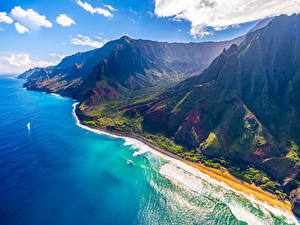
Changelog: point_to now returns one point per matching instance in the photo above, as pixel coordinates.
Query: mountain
(124, 65)
(244, 108)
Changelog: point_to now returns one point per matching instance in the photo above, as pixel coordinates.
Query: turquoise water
(55, 172)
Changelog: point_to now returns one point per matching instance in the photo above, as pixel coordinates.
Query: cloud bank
(221, 14)
(101, 11)
(64, 20)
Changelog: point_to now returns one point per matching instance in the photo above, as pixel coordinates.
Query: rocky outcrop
(193, 130)
(295, 200)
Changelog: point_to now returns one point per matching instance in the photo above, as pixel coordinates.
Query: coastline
(249, 190)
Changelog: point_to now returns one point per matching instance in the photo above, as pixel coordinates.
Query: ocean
(54, 172)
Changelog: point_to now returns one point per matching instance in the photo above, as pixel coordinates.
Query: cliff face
(123, 65)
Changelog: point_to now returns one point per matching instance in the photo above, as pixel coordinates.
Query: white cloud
(86, 41)
(64, 20)
(110, 8)
(4, 18)
(220, 14)
(86, 6)
(18, 63)
(30, 18)
(20, 28)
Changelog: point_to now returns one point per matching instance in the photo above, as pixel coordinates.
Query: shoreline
(249, 190)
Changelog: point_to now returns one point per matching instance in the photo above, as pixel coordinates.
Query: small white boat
(28, 126)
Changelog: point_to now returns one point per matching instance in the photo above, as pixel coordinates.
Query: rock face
(122, 65)
(295, 200)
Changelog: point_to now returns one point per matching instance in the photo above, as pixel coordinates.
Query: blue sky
(29, 39)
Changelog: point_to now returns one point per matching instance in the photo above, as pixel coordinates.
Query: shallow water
(55, 172)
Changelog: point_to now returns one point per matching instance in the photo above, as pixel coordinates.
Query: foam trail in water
(193, 179)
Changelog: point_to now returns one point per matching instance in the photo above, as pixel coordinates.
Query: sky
(39, 33)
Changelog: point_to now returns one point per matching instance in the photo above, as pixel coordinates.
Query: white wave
(194, 180)
(56, 95)
(135, 144)
(61, 97)
(191, 178)
(244, 215)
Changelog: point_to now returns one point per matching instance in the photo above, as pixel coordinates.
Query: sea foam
(194, 180)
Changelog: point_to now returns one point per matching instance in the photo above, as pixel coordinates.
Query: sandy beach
(250, 190)
(239, 185)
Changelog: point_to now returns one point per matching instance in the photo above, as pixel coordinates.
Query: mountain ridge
(151, 62)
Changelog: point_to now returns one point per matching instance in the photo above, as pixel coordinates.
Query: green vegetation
(210, 163)
(293, 152)
(249, 174)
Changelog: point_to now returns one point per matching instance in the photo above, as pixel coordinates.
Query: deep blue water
(58, 173)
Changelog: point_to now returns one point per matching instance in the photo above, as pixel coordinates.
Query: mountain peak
(126, 38)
